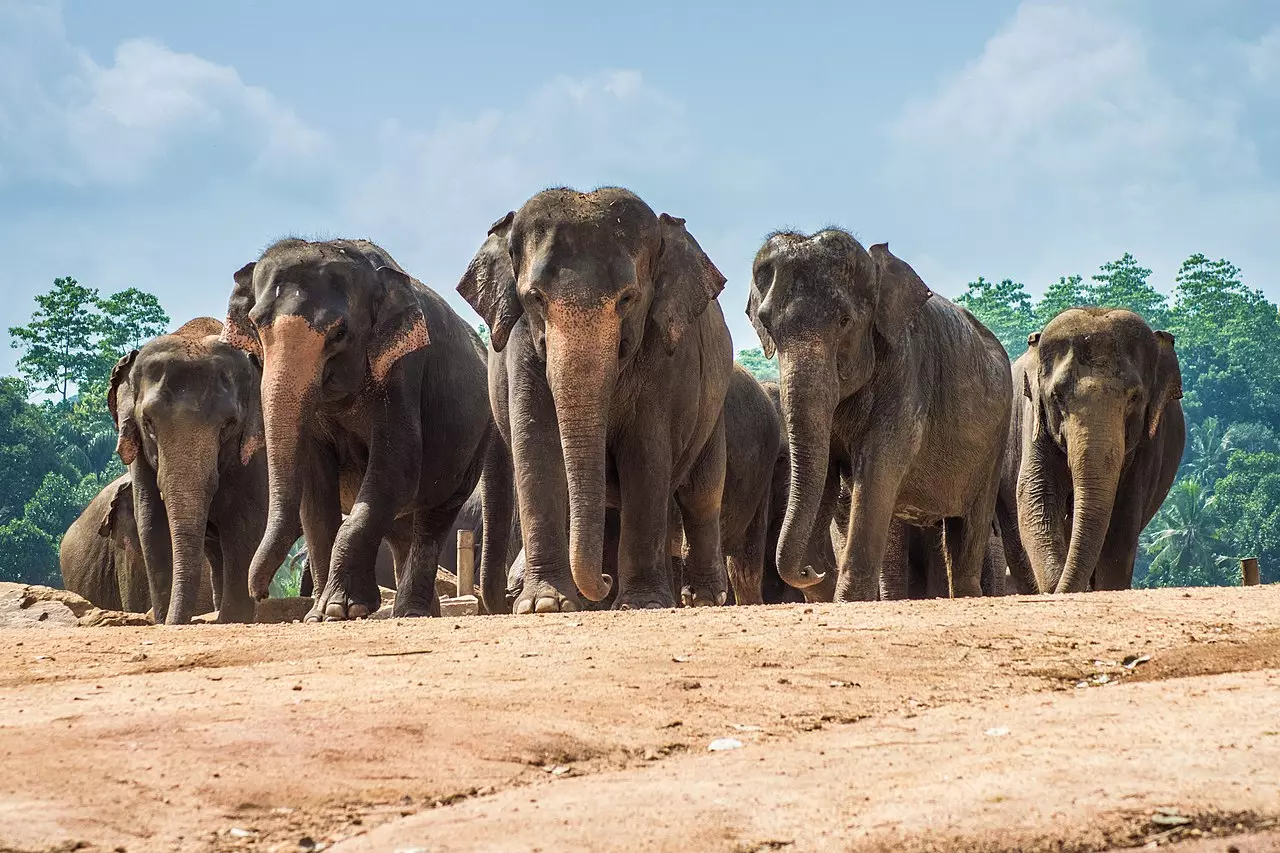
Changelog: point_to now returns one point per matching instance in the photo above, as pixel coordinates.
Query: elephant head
(186, 407)
(1099, 381)
(598, 278)
(830, 309)
(329, 321)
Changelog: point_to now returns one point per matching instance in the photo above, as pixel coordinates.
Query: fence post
(466, 562)
(1249, 572)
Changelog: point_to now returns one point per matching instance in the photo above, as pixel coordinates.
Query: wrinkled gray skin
(607, 375)
(384, 570)
(1094, 444)
(101, 556)
(373, 398)
(898, 391)
(190, 430)
(821, 555)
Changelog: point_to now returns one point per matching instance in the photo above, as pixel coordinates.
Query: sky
(162, 145)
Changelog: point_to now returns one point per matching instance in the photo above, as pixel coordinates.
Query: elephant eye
(538, 296)
(845, 321)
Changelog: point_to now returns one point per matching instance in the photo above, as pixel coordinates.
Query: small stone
(724, 744)
(237, 832)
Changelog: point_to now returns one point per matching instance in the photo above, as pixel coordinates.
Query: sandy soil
(993, 725)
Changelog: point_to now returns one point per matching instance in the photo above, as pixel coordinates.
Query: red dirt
(943, 725)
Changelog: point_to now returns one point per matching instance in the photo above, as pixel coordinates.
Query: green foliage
(28, 554)
(483, 331)
(1067, 292)
(56, 455)
(1183, 540)
(287, 582)
(763, 369)
(1005, 309)
(1124, 284)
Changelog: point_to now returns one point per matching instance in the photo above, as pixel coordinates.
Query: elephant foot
(704, 588)
(691, 597)
(236, 612)
(644, 601)
(540, 596)
(414, 606)
(344, 599)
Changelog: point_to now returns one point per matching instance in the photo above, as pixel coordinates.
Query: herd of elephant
(606, 444)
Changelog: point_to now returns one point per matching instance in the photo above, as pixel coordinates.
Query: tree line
(57, 442)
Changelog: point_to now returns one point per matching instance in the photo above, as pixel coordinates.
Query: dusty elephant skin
(896, 390)
(187, 409)
(101, 555)
(1094, 444)
(373, 398)
(609, 364)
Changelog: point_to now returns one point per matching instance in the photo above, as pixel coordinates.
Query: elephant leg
(497, 489)
(542, 491)
(416, 580)
(1120, 548)
(897, 575)
(966, 539)
(873, 492)
(644, 565)
(746, 564)
(217, 576)
(153, 534)
(705, 582)
(321, 513)
(236, 556)
(1024, 577)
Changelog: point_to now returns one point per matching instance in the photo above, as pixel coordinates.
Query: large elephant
(901, 393)
(1094, 445)
(609, 364)
(373, 397)
(190, 428)
(101, 555)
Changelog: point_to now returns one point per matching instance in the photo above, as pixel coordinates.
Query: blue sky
(162, 145)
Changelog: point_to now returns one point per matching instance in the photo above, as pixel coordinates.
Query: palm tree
(1183, 539)
(1208, 447)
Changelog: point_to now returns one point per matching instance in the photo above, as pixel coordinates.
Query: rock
(274, 611)
(27, 606)
(467, 605)
(98, 618)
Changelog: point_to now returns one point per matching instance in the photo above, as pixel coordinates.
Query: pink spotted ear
(120, 405)
(399, 326)
(239, 330)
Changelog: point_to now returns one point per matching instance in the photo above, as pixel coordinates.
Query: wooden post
(1249, 573)
(466, 562)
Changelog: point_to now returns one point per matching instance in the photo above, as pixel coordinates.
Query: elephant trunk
(292, 362)
(188, 481)
(1095, 454)
(808, 406)
(582, 365)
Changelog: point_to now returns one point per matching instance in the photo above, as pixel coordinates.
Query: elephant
(373, 401)
(190, 429)
(1094, 445)
(608, 367)
(898, 392)
(384, 570)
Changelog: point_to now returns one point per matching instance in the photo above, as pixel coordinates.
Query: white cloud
(1263, 57)
(1064, 144)
(65, 118)
(437, 190)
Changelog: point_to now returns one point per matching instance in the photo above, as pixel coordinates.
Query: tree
(129, 319)
(1248, 502)
(61, 341)
(763, 369)
(1003, 307)
(483, 331)
(1183, 540)
(28, 449)
(1067, 292)
(28, 555)
(1123, 284)
(57, 503)
(1206, 453)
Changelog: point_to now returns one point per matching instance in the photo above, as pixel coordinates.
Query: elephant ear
(489, 284)
(1031, 381)
(755, 296)
(121, 502)
(399, 326)
(1168, 382)
(901, 293)
(239, 330)
(120, 405)
(685, 282)
(253, 434)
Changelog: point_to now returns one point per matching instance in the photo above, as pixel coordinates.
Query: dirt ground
(993, 725)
